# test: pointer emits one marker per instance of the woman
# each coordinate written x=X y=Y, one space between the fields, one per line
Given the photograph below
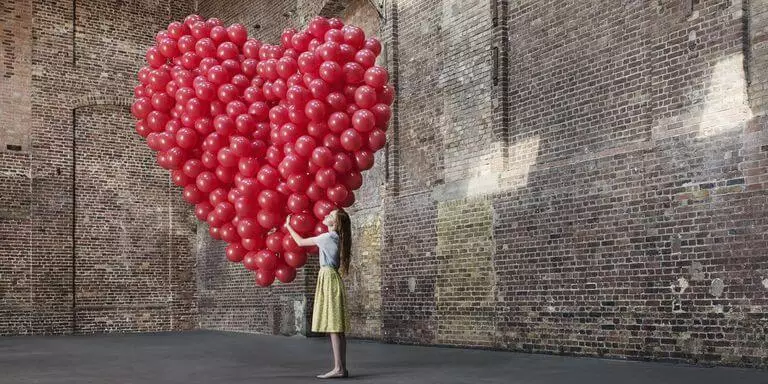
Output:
x=328 y=313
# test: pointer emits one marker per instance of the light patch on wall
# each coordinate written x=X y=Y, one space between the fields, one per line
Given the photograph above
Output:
x=726 y=106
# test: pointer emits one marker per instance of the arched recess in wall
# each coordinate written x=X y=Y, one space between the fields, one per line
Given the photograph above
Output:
x=121 y=222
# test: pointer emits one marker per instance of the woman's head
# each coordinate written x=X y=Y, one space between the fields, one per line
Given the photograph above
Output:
x=338 y=220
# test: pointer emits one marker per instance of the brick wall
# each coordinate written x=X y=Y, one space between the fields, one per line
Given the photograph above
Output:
x=620 y=212
x=127 y=253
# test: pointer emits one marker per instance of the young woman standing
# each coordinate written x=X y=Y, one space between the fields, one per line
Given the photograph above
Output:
x=328 y=314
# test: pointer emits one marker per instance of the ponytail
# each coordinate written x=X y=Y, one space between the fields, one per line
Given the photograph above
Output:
x=345 y=240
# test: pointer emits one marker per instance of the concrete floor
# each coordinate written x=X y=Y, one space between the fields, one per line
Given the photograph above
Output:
x=220 y=357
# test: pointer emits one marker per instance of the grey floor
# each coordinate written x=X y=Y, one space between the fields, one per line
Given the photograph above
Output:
x=220 y=357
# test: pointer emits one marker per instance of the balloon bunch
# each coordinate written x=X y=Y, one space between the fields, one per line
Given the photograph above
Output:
x=254 y=132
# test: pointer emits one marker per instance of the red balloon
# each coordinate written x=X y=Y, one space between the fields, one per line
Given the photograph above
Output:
x=227 y=158
x=238 y=34
x=302 y=223
x=251 y=48
x=308 y=62
x=205 y=47
x=265 y=278
x=354 y=73
x=363 y=120
x=224 y=211
x=193 y=167
x=266 y=260
x=298 y=202
x=240 y=146
x=366 y=58
x=193 y=195
x=162 y=102
x=285 y=37
x=377 y=139
x=207 y=181
x=154 y=57
x=338 y=122
x=334 y=35
x=275 y=242
x=300 y=41
x=274 y=156
x=298 y=183
x=293 y=165
x=315 y=110
x=376 y=77
x=186 y=138
x=202 y=210
x=219 y=34
x=285 y=273
x=187 y=44
x=249 y=262
x=373 y=45
x=381 y=113
x=268 y=176
x=322 y=156
x=337 y=101
x=365 y=96
x=177 y=29
x=249 y=228
x=342 y=163
x=329 y=51
x=330 y=71
x=249 y=187
x=179 y=178
x=267 y=219
x=270 y=200
x=228 y=233
x=317 y=130
x=364 y=159
x=142 y=129
x=337 y=193
x=253 y=244
x=305 y=145
x=315 y=192
x=214 y=232
x=319 y=26
x=286 y=67
x=349 y=201
x=353 y=180
x=325 y=178
x=245 y=207
x=235 y=253
x=322 y=208
x=278 y=114
x=332 y=142
x=248 y=166
x=319 y=89
x=209 y=160
x=226 y=174
x=351 y=140
x=386 y=94
x=295 y=258
x=353 y=36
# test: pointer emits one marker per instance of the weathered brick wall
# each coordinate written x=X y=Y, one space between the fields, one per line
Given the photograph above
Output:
x=623 y=209
x=15 y=73
x=128 y=253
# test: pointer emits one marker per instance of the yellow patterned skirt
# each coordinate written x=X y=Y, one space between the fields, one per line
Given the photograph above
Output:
x=328 y=312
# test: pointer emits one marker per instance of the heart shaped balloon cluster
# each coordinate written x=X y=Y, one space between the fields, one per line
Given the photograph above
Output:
x=254 y=132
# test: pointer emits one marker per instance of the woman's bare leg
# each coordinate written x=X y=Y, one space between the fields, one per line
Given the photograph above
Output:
x=339 y=365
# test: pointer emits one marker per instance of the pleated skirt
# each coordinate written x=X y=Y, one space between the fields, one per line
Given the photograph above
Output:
x=328 y=313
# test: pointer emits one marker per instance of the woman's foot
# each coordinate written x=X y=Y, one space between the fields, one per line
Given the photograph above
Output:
x=334 y=374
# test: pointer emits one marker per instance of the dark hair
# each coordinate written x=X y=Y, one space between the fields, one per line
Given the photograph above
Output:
x=344 y=228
